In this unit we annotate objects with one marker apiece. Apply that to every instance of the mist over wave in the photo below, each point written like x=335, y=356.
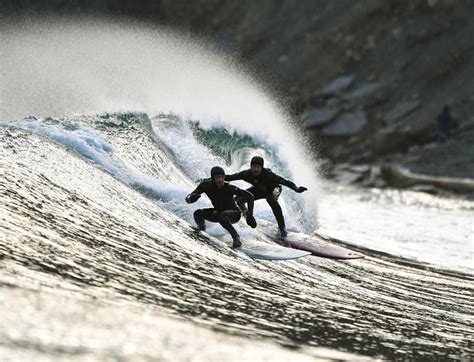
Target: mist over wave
x=91, y=66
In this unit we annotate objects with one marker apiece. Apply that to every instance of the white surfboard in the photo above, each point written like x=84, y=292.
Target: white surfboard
x=259, y=250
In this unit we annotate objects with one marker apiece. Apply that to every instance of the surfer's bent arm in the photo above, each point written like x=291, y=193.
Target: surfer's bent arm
x=235, y=176
x=248, y=197
x=195, y=195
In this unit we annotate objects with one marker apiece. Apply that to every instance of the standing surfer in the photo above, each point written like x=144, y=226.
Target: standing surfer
x=265, y=185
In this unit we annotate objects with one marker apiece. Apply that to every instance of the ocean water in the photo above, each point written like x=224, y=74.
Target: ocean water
x=105, y=129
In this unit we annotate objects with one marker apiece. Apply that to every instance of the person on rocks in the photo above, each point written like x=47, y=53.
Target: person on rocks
x=443, y=123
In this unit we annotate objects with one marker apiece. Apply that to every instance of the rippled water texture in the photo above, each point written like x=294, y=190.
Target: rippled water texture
x=98, y=259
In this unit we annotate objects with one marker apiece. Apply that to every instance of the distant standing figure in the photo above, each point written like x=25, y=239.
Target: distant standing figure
x=442, y=124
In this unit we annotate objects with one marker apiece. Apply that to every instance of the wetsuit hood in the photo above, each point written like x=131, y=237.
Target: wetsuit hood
x=217, y=170
x=256, y=160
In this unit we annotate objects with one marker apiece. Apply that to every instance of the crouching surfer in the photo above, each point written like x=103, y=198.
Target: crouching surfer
x=224, y=210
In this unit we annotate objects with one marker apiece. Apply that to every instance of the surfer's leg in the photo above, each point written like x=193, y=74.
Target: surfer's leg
x=203, y=214
x=276, y=208
x=257, y=194
x=232, y=215
x=223, y=219
x=226, y=218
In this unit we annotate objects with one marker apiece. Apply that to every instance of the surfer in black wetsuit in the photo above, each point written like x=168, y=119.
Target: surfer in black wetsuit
x=225, y=211
x=265, y=185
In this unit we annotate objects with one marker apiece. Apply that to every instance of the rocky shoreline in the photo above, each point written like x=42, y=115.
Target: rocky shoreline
x=395, y=176
x=397, y=154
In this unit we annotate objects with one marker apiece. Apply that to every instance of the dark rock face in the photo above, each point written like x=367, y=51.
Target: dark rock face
x=346, y=125
x=400, y=110
x=318, y=117
x=362, y=92
x=332, y=89
x=390, y=140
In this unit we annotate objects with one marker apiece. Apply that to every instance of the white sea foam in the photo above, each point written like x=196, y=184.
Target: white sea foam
x=57, y=68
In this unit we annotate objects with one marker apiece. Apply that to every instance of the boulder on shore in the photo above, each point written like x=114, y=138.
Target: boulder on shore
x=397, y=176
x=346, y=125
x=319, y=117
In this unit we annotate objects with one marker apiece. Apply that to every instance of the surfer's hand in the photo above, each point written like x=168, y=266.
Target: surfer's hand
x=251, y=221
x=192, y=198
x=301, y=189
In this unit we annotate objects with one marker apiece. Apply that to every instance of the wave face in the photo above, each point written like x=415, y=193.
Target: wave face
x=97, y=253
x=94, y=204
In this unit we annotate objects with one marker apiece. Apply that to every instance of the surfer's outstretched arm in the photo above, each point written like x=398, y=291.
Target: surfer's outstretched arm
x=236, y=176
x=290, y=184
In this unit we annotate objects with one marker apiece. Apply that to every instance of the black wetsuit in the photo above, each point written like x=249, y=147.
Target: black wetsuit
x=263, y=187
x=225, y=211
